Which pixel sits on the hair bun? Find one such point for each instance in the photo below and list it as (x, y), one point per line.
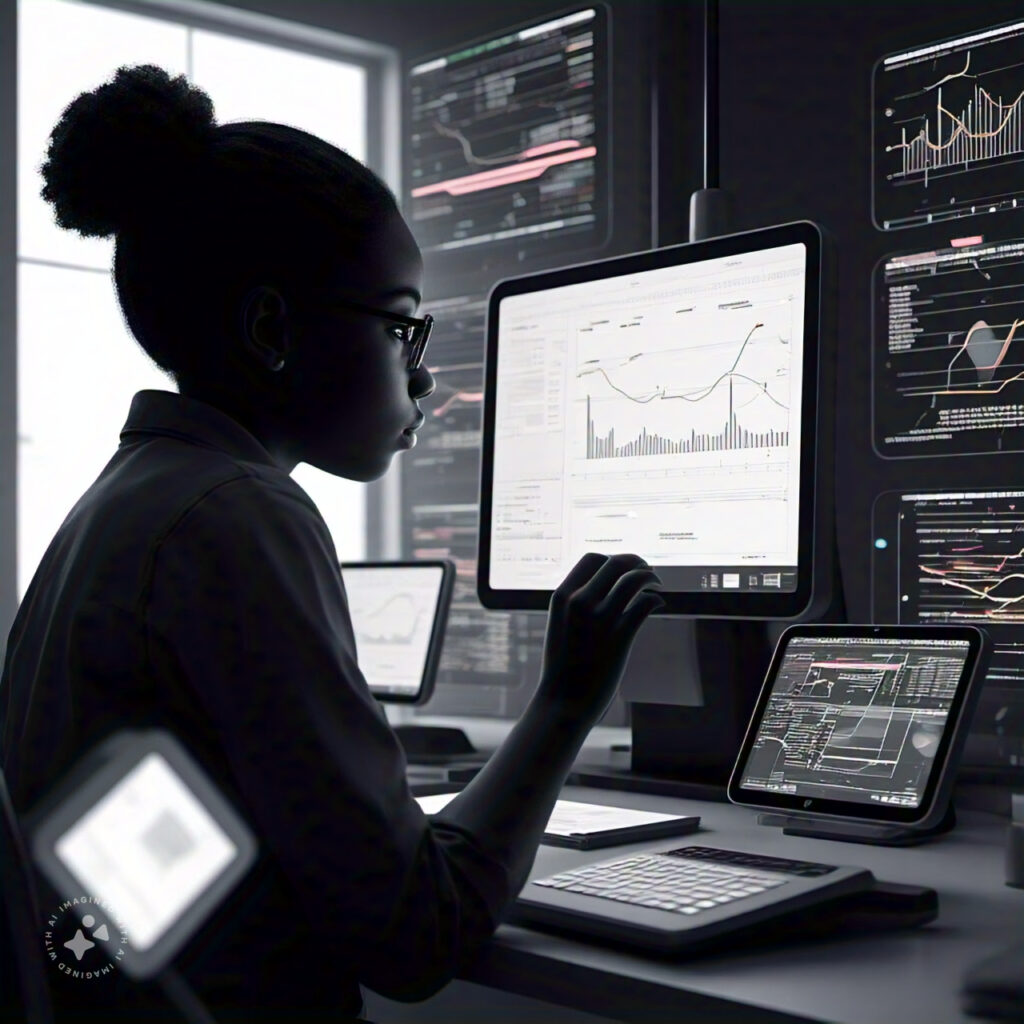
(125, 150)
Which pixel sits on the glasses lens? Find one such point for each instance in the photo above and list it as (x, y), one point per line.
(419, 343)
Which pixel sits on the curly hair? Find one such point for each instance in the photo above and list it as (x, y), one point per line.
(201, 212)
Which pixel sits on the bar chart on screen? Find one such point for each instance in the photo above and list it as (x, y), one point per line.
(948, 123)
(638, 395)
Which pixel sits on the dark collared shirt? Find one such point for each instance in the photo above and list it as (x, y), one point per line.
(194, 587)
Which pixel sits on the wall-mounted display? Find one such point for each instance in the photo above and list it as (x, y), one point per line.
(508, 140)
(948, 129)
(948, 351)
(957, 557)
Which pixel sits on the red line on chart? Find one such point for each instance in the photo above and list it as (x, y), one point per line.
(459, 396)
(507, 175)
(985, 593)
(969, 567)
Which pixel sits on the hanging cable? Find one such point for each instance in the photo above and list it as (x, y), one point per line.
(711, 112)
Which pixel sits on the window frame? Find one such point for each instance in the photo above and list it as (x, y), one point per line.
(382, 66)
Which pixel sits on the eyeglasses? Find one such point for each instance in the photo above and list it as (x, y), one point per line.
(414, 331)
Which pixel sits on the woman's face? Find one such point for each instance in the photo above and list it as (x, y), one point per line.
(353, 400)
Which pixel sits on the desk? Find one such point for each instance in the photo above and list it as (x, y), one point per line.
(909, 976)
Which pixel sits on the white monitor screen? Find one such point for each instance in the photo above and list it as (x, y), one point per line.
(149, 848)
(657, 413)
(393, 610)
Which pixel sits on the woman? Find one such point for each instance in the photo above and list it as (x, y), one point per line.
(194, 587)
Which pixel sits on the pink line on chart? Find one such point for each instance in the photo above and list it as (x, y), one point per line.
(503, 175)
(459, 396)
(855, 664)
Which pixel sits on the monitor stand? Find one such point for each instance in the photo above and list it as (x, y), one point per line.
(877, 834)
(688, 751)
(692, 685)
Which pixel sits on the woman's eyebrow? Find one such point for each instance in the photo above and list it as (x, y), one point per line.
(399, 293)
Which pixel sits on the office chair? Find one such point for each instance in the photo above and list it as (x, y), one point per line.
(24, 992)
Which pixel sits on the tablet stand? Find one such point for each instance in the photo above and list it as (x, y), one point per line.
(877, 834)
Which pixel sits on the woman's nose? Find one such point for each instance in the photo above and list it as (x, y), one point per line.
(421, 383)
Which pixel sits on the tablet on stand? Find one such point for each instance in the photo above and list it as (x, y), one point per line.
(858, 730)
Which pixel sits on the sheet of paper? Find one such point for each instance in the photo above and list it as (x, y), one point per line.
(570, 817)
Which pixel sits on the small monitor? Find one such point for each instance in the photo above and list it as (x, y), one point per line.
(144, 846)
(399, 611)
(666, 404)
(862, 721)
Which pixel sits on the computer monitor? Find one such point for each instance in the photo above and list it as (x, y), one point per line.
(666, 404)
(676, 404)
(398, 611)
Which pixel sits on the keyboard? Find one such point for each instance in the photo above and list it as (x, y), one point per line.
(672, 899)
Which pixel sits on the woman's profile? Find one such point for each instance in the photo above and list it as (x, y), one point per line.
(195, 587)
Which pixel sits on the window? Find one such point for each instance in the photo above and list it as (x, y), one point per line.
(78, 366)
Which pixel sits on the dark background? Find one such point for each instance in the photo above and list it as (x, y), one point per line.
(795, 131)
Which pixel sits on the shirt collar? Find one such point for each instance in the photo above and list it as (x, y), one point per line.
(168, 414)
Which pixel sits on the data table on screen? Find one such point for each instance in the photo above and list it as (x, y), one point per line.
(508, 139)
(490, 660)
(948, 350)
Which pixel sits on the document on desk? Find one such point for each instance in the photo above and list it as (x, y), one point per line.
(590, 826)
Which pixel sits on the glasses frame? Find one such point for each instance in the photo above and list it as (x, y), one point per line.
(420, 328)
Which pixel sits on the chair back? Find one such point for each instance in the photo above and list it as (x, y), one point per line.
(24, 991)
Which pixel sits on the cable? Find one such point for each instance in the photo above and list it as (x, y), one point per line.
(711, 105)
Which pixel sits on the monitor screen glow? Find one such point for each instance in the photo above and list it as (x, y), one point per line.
(657, 413)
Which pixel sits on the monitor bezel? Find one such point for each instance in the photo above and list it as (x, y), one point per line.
(742, 604)
(938, 788)
(436, 641)
(485, 255)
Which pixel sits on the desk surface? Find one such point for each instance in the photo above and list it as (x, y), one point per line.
(910, 975)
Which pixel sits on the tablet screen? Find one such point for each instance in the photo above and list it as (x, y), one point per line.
(856, 719)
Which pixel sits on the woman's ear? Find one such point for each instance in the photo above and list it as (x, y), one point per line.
(264, 327)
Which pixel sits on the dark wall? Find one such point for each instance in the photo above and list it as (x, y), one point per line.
(796, 143)
(795, 130)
